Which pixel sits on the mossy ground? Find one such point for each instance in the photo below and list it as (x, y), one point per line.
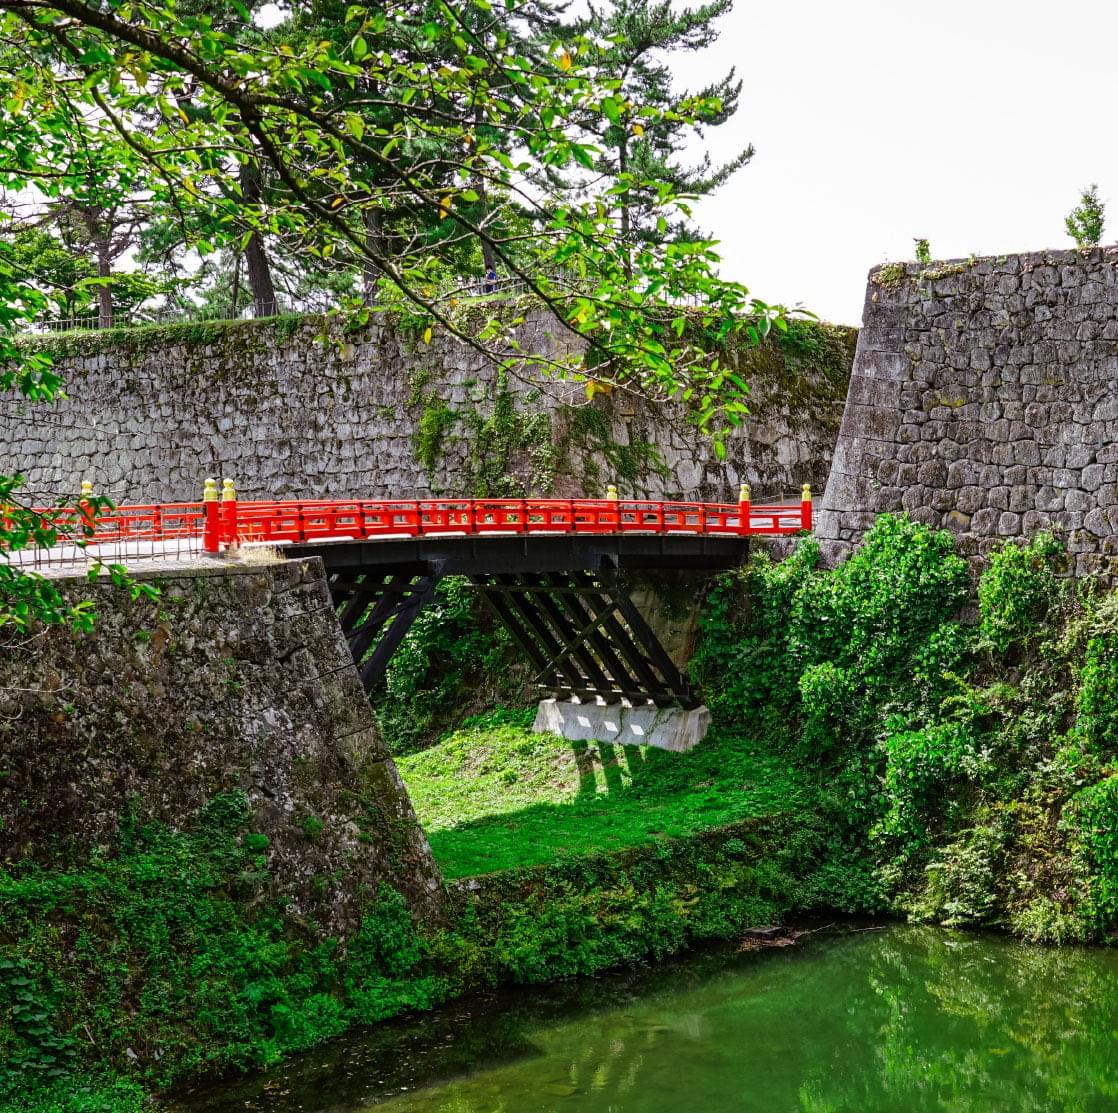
(494, 796)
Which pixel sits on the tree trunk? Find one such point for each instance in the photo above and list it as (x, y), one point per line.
(105, 292)
(488, 255)
(256, 259)
(236, 292)
(623, 168)
(376, 248)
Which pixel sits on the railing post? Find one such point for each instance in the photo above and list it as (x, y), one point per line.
(805, 507)
(88, 523)
(211, 526)
(229, 513)
(613, 496)
(744, 499)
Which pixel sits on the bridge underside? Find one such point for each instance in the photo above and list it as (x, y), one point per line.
(564, 600)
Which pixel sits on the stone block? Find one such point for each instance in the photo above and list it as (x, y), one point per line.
(1047, 499)
(1021, 498)
(1107, 495)
(962, 473)
(925, 515)
(969, 499)
(1097, 522)
(667, 728)
(933, 474)
(1092, 477)
(984, 522)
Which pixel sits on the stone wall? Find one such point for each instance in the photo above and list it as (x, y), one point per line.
(984, 399)
(232, 680)
(152, 412)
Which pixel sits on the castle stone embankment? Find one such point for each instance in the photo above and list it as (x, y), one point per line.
(378, 413)
(232, 681)
(984, 399)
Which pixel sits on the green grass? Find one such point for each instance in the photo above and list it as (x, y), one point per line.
(494, 796)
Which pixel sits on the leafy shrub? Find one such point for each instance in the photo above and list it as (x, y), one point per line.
(91, 1093)
(1098, 693)
(1097, 698)
(33, 1050)
(743, 661)
(924, 769)
(1020, 591)
(961, 882)
(833, 645)
(873, 613)
(1093, 815)
(383, 974)
(1085, 222)
(1046, 920)
(865, 677)
(830, 698)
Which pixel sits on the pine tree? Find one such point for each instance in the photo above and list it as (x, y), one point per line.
(1085, 222)
(635, 39)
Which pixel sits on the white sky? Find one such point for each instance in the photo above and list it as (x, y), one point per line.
(974, 123)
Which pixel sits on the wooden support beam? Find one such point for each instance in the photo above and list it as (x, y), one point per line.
(657, 654)
(571, 637)
(511, 621)
(628, 649)
(373, 670)
(387, 605)
(579, 629)
(552, 644)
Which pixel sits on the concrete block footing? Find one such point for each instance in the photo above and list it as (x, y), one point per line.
(669, 728)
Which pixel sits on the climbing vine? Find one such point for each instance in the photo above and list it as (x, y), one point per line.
(506, 438)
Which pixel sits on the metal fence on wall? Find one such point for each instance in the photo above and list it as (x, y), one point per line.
(472, 287)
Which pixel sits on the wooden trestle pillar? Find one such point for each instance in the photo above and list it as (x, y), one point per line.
(376, 611)
(585, 637)
(579, 629)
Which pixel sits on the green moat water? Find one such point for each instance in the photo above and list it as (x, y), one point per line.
(900, 1020)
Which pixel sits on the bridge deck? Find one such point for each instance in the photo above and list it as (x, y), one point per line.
(468, 556)
(411, 530)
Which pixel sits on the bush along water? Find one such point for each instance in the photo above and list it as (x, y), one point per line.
(962, 744)
(165, 958)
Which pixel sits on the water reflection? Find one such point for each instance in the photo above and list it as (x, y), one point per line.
(908, 1019)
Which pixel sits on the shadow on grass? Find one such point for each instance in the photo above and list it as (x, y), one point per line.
(645, 795)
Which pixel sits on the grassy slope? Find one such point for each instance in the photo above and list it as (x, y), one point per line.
(493, 795)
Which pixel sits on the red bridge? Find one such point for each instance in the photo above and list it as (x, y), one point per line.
(553, 570)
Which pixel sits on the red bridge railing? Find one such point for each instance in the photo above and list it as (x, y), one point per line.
(221, 523)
